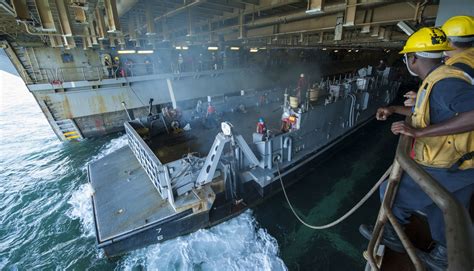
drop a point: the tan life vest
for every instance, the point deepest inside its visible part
(465, 57)
(439, 151)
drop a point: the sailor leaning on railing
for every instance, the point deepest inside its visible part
(442, 123)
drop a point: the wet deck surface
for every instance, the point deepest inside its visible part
(124, 198)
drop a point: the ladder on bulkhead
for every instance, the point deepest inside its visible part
(69, 129)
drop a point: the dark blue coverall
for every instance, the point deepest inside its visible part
(448, 97)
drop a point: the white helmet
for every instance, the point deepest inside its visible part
(302, 75)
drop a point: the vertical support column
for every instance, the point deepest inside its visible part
(211, 33)
(63, 14)
(375, 31)
(350, 13)
(338, 29)
(92, 27)
(56, 41)
(132, 34)
(112, 16)
(170, 89)
(46, 17)
(99, 17)
(381, 33)
(164, 29)
(80, 15)
(150, 23)
(367, 19)
(315, 6)
(21, 10)
(242, 32)
(69, 42)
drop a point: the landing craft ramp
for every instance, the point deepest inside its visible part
(127, 200)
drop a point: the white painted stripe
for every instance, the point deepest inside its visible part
(170, 89)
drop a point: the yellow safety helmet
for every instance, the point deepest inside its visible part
(116, 58)
(426, 39)
(459, 26)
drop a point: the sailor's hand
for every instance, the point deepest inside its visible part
(403, 128)
(383, 113)
(411, 97)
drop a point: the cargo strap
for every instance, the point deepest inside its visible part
(458, 163)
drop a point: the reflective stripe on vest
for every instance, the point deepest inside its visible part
(439, 151)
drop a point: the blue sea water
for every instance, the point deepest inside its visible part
(46, 217)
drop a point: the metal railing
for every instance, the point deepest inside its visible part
(101, 72)
(458, 227)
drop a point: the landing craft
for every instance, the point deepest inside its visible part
(192, 169)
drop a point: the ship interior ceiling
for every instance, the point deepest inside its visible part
(76, 33)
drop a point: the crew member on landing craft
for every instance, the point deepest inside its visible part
(108, 65)
(460, 33)
(442, 123)
(261, 127)
(301, 86)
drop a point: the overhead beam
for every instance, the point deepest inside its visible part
(223, 8)
(264, 5)
(382, 15)
(227, 3)
(253, 2)
(179, 10)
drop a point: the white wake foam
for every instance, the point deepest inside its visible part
(110, 147)
(81, 208)
(237, 244)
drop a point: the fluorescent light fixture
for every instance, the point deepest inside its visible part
(184, 47)
(324, 49)
(234, 48)
(145, 51)
(263, 48)
(178, 47)
(126, 52)
(212, 48)
(405, 28)
(253, 50)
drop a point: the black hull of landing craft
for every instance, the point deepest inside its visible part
(223, 209)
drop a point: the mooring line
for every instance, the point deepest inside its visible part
(346, 215)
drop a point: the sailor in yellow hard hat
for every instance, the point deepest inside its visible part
(442, 123)
(460, 33)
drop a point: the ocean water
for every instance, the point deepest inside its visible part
(46, 217)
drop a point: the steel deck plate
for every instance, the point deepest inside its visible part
(124, 198)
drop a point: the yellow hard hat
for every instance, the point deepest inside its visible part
(459, 26)
(426, 39)
(116, 58)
